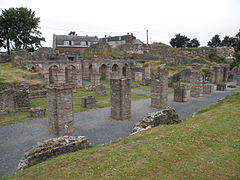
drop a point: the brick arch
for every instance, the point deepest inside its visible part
(115, 68)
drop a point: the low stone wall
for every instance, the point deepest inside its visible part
(165, 116)
(52, 148)
(36, 112)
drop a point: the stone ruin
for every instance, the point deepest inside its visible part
(159, 92)
(100, 90)
(37, 112)
(196, 81)
(120, 98)
(14, 97)
(52, 148)
(180, 93)
(138, 76)
(88, 101)
(60, 109)
(221, 87)
(219, 73)
(208, 89)
(165, 116)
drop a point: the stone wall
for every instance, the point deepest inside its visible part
(52, 148)
(14, 97)
(60, 109)
(180, 93)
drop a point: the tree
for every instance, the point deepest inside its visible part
(215, 41)
(228, 41)
(193, 43)
(179, 41)
(19, 29)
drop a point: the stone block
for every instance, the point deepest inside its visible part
(180, 93)
(88, 101)
(138, 76)
(221, 87)
(37, 112)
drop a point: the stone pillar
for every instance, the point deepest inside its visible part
(212, 74)
(238, 79)
(85, 68)
(196, 81)
(60, 109)
(180, 93)
(79, 81)
(138, 76)
(221, 87)
(208, 88)
(159, 94)
(120, 98)
(217, 74)
(95, 79)
(147, 71)
(225, 72)
(108, 73)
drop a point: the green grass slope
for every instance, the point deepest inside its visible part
(206, 146)
(10, 74)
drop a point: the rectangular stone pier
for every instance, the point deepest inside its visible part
(60, 109)
(159, 94)
(120, 98)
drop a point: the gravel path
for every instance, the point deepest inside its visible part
(95, 124)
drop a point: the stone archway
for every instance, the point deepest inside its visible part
(103, 71)
(115, 68)
(70, 74)
(90, 70)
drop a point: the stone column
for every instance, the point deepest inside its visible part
(108, 73)
(120, 98)
(138, 76)
(159, 94)
(60, 109)
(79, 81)
(85, 70)
(226, 72)
(212, 74)
(147, 71)
(217, 74)
(95, 79)
(238, 79)
(196, 81)
(180, 93)
(208, 88)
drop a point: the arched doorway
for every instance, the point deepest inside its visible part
(103, 71)
(115, 68)
(70, 74)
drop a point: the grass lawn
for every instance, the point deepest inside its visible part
(10, 74)
(102, 101)
(206, 146)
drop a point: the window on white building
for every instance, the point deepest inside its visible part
(66, 43)
(83, 43)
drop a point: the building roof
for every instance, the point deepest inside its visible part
(117, 38)
(76, 38)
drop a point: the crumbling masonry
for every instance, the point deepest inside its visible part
(180, 93)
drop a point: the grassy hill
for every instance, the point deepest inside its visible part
(9, 73)
(206, 146)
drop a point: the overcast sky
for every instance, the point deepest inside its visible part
(199, 19)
